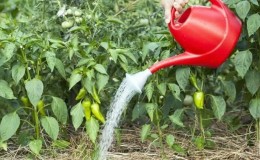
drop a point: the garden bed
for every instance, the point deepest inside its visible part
(227, 146)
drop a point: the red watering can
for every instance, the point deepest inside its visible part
(207, 34)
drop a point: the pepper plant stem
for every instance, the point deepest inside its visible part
(36, 123)
(26, 65)
(160, 135)
(258, 135)
(201, 124)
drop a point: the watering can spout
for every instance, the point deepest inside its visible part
(207, 34)
(185, 58)
(138, 80)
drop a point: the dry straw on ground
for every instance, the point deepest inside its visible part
(228, 146)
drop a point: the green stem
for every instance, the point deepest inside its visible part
(258, 36)
(201, 124)
(26, 65)
(195, 122)
(160, 139)
(38, 67)
(258, 135)
(44, 9)
(160, 135)
(37, 124)
(257, 130)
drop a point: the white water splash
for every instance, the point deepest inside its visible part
(131, 85)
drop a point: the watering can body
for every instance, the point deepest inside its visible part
(207, 34)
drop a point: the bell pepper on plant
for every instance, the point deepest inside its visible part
(86, 104)
(198, 98)
(193, 81)
(25, 101)
(67, 24)
(95, 95)
(40, 107)
(188, 100)
(96, 111)
(81, 94)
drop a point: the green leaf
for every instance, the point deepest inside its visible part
(77, 114)
(253, 24)
(114, 54)
(3, 35)
(176, 117)
(231, 2)
(74, 79)
(59, 109)
(162, 88)
(51, 60)
(3, 145)
(242, 62)
(6, 91)
(138, 111)
(254, 108)
(23, 138)
(100, 68)
(51, 126)
(145, 132)
(199, 142)
(175, 90)
(230, 89)
(123, 65)
(149, 46)
(170, 140)
(102, 80)
(18, 72)
(88, 83)
(218, 105)
(90, 74)
(75, 42)
(60, 67)
(164, 126)
(92, 127)
(123, 59)
(115, 20)
(35, 146)
(150, 109)
(254, 2)
(130, 55)
(85, 61)
(252, 81)
(7, 53)
(182, 77)
(177, 148)
(154, 136)
(34, 90)
(105, 45)
(149, 88)
(169, 103)
(60, 144)
(242, 9)
(9, 125)
(165, 54)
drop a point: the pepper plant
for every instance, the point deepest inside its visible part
(62, 61)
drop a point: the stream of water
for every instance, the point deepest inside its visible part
(130, 86)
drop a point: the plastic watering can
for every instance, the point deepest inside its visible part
(207, 34)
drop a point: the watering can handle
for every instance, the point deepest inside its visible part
(173, 14)
(218, 3)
